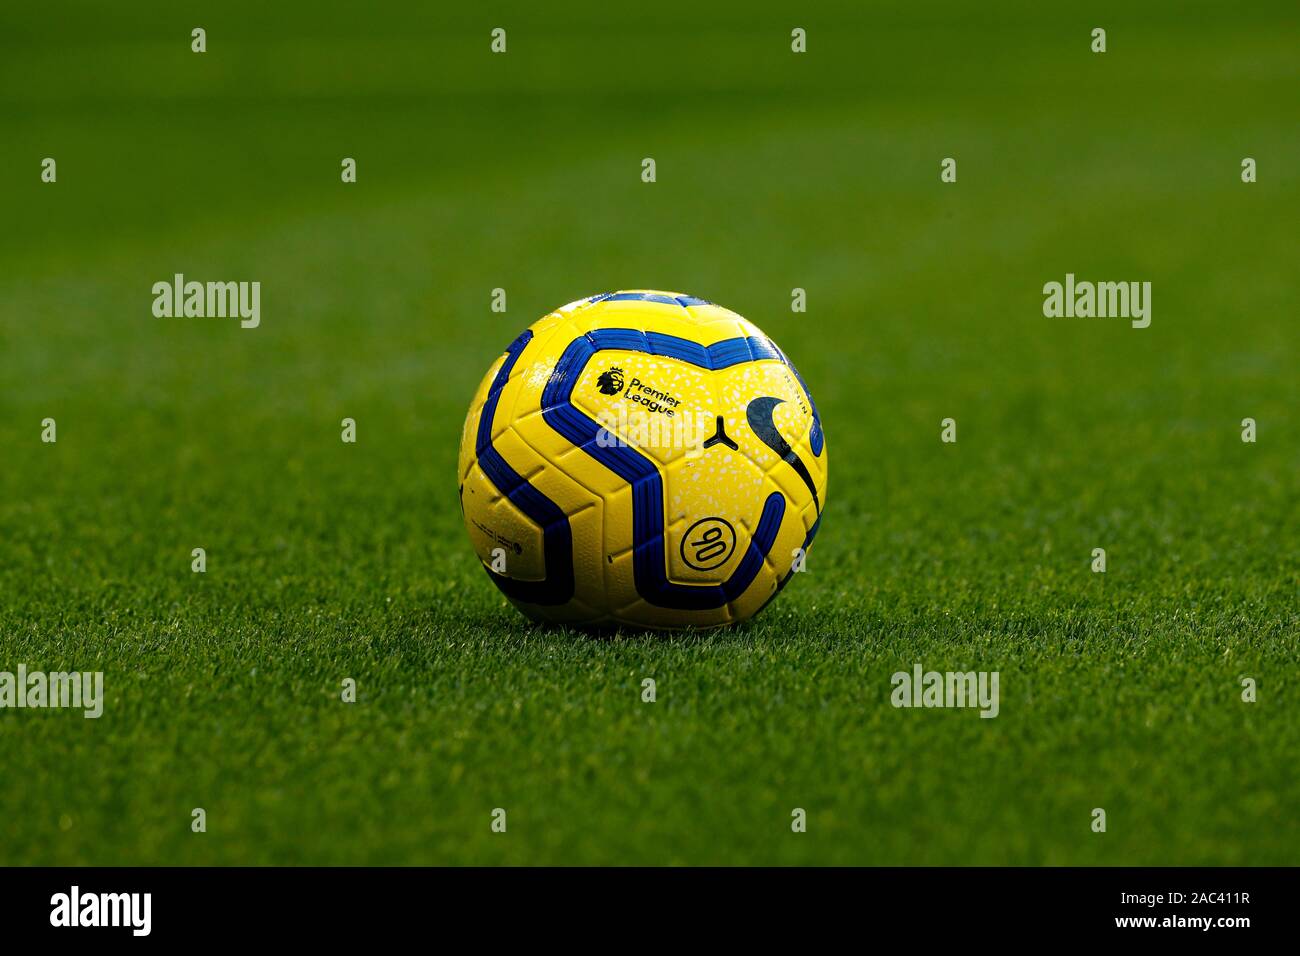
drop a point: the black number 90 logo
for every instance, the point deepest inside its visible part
(708, 544)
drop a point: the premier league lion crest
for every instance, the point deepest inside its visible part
(611, 382)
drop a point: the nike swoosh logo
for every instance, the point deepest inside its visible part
(759, 414)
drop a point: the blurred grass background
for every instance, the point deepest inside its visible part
(775, 170)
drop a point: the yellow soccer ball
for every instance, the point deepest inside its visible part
(642, 458)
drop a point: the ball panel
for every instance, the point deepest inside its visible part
(657, 405)
(495, 522)
(468, 453)
(582, 509)
(712, 502)
(705, 325)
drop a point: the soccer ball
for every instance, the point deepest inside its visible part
(642, 458)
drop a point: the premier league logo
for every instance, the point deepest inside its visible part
(611, 382)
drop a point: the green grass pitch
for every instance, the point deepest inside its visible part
(775, 170)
